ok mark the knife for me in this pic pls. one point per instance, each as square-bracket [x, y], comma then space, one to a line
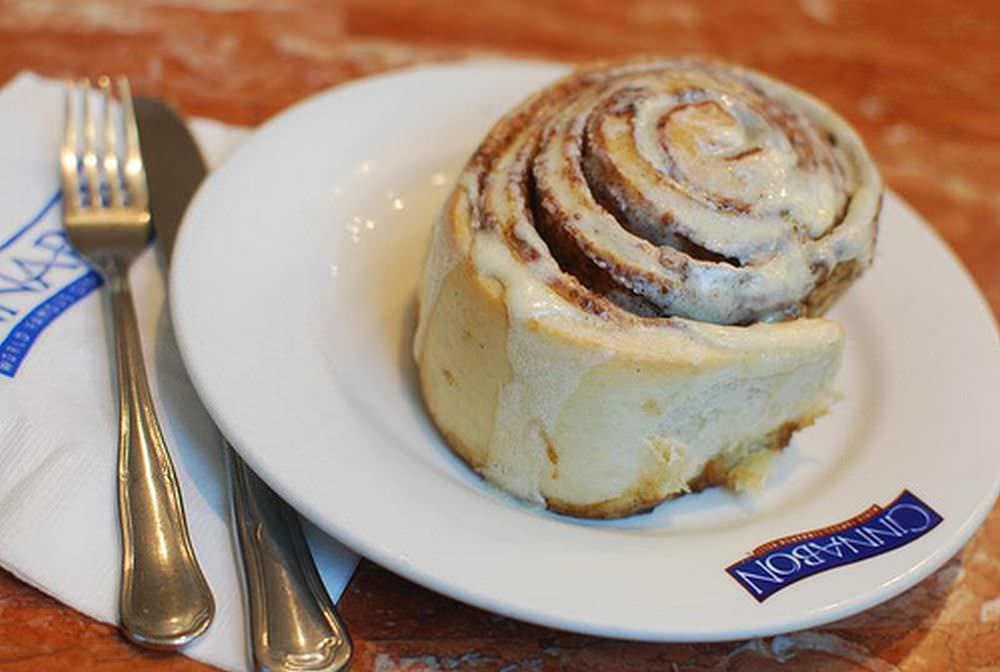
[293, 623]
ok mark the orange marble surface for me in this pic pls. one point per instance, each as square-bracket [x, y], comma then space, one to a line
[918, 79]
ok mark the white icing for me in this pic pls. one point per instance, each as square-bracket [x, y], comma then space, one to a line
[526, 295]
[545, 374]
[790, 205]
[769, 178]
[794, 224]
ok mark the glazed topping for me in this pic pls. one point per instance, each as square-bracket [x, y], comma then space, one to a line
[675, 188]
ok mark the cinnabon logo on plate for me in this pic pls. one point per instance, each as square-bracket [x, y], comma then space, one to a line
[780, 563]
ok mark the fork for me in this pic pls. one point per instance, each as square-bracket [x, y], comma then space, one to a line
[165, 601]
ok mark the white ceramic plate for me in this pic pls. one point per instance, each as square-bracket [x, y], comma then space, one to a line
[293, 294]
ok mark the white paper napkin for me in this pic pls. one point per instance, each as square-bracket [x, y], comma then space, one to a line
[58, 434]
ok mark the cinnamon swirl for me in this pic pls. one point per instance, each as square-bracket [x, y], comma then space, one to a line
[623, 295]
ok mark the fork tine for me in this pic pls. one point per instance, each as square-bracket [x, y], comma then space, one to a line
[110, 146]
[135, 176]
[90, 150]
[68, 159]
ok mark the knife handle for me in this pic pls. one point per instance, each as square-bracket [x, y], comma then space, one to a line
[293, 623]
[165, 601]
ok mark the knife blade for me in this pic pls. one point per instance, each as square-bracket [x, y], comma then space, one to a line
[174, 168]
[293, 623]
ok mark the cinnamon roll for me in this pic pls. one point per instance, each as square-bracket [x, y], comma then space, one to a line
[623, 296]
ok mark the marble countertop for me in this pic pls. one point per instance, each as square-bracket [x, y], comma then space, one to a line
[918, 80]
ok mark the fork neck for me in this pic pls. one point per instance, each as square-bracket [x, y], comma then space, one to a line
[114, 268]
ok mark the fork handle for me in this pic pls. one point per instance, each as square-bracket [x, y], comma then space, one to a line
[294, 626]
[165, 601]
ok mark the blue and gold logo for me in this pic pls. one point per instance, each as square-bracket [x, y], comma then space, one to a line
[780, 563]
